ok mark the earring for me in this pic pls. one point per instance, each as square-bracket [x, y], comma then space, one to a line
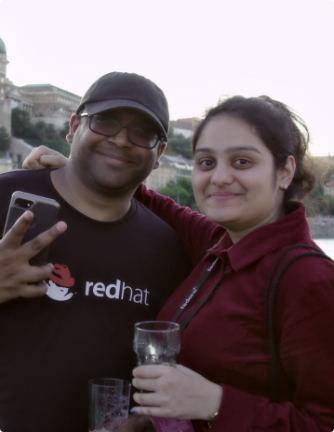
[284, 187]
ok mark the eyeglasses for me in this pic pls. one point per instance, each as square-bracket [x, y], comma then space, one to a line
[110, 127]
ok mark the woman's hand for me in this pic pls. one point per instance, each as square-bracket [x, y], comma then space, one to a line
[175, 392]
[43, 157]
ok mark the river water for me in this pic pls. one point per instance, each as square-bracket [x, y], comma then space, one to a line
[327, 245]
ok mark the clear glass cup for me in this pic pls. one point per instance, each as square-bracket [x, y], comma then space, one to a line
[159, 342]
[109, 400]
[156, 342]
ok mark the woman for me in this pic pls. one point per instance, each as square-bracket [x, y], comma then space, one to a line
[249, 166]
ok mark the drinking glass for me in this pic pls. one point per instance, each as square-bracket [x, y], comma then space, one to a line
[108, 404]
[156, 342]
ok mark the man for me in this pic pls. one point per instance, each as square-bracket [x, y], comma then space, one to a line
[116, 264]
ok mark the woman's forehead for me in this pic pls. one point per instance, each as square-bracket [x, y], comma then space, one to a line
[229, 133]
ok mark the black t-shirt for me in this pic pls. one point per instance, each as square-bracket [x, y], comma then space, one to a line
[107, 276]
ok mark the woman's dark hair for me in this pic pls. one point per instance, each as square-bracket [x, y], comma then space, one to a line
[281, 130]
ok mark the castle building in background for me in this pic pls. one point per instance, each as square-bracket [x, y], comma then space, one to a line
[5, 87]
[171, 168]
[43, 102]
[50, 103]
[54, 105]
[184, 126]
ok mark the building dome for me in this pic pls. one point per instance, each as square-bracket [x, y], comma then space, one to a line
[2, 47]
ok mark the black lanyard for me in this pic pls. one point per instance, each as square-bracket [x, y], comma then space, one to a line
[203, 278]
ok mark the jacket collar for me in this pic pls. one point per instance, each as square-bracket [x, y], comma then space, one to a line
[292, 228]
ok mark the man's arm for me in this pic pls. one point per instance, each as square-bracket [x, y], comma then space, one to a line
[17, 276]
[43, 157]
[195, 231]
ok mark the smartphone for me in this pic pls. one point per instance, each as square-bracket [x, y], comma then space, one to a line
[45, 212]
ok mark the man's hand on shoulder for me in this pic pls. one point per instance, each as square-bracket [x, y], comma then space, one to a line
[17, 276]
[43, 157]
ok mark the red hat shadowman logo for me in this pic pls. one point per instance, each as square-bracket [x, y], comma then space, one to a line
[61, 275]
[59, 283]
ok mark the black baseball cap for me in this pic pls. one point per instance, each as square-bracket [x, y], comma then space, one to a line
[128, 90]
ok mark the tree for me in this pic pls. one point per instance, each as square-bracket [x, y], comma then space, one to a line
[40, 133]
[178, 144]
[182, 192]
[316, 202]
[38, 130]
[181, 146]
[4, 140]
[50, 131]
[64, 131]
[330, 201]
[58, 144]
[21, 126]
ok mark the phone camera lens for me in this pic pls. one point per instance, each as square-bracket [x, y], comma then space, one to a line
[22, 203]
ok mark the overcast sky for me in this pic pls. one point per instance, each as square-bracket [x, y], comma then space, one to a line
[196, 51]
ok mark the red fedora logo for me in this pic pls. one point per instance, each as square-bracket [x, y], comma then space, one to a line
[61, 275]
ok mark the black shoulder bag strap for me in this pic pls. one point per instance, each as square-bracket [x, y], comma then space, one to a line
[270, 304]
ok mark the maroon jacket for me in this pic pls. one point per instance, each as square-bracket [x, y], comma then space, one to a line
[227, 340]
